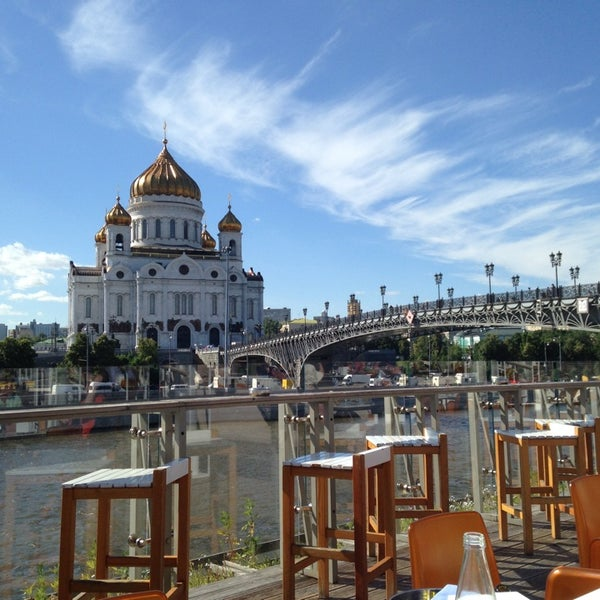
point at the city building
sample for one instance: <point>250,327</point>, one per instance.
<point>160,274</point>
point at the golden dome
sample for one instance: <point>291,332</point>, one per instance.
<point>230,222</point>
<point>164,177</point>
<point>208,241</point>
<point>118,215</point>
<point>100,237</point>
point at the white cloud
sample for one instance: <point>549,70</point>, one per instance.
<point>24,269</point>
<point>105,33</point>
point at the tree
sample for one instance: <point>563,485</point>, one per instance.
<point>104,352</point>
<point>271,327</point>
<point>146,353</point>
<point>79,352</point>
<point>17,353</point>
<point>491,347</point>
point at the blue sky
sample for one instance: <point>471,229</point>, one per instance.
<point>362,142</point>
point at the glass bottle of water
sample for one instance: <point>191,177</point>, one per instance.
<point>475,580</point>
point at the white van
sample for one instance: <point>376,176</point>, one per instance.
<point>106,387</point>
<point>66,393</point>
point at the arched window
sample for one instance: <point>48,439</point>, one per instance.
<point>119,242</point>
<point>157,231</point>
<point>152,304</point>
<point>88,308</point>
<point>172,228</point>
<point>233,246</point>
<point>232,306</point>
<point>144,229</point>
<point>214,304</point>
<point>184,304</point>
<point>190,304</point>
<point>196,230</point>
<point>250,308</point>
<point>119,305</point>
<point>177,308</point>
<point>186,227</point>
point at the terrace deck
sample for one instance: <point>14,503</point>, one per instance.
<point>525,574</point>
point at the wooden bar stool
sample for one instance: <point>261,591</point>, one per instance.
<point>424,447</point>
<point>323,469</point>
<point>107,485</point>
<point>546,445</point>
<point>591,431</point>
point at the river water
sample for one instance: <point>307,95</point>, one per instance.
<point>234,460</point>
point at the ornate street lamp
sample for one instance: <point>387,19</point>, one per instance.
<point>304,311</point>
<point>555,260</point>
<point>489,271</point>
<point>382,289</point>
<point>515,281</point>
<point>416,301</point>
<point>574,271</point>
<point>327,313</point>
<point>438,282</point>
<point>451,295</point>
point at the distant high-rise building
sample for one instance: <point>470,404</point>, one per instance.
<point>160,274</point>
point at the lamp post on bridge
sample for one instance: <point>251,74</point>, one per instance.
<point>438,282</point>
<point>451,295</point>
<point>382,289</point>
<point>489,271</point>
<point>327,313</point>
<point>304,311</point>
<point>574,271</point>
<point>555,260</point>
<point>416,302</point>
<point>515,281</point>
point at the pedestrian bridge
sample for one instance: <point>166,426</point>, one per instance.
<point>568,308</point>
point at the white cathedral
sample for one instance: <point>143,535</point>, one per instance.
<point>159,274</point>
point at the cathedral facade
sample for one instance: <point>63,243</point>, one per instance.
<point>160,274</point>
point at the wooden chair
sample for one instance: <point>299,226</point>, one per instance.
<point>569,583</point>
<point>436,548</point>
<point>106,486</point>
<point>370,472</point>
<point>585,497</point>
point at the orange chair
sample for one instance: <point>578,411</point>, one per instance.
<point>433,565</point>
<point>569,583</point>
<point>585,496</point>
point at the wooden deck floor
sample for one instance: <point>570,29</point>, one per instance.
<point>525,574</point>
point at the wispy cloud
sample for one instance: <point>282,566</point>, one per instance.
<point>580,85</point>
<point>105,33</point>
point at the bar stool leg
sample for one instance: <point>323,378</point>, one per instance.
<point>501,488</point>
<point>67,544</point>
<point>288,535</point>
<point>102,538</point>
<point>526,498</point>
<point>323,484</point>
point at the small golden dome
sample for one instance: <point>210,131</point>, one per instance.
<point>118,215</point>
<point>230,222</point>
<point>100,237</point>
<point>164,177</point>
<point>208,241</point>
